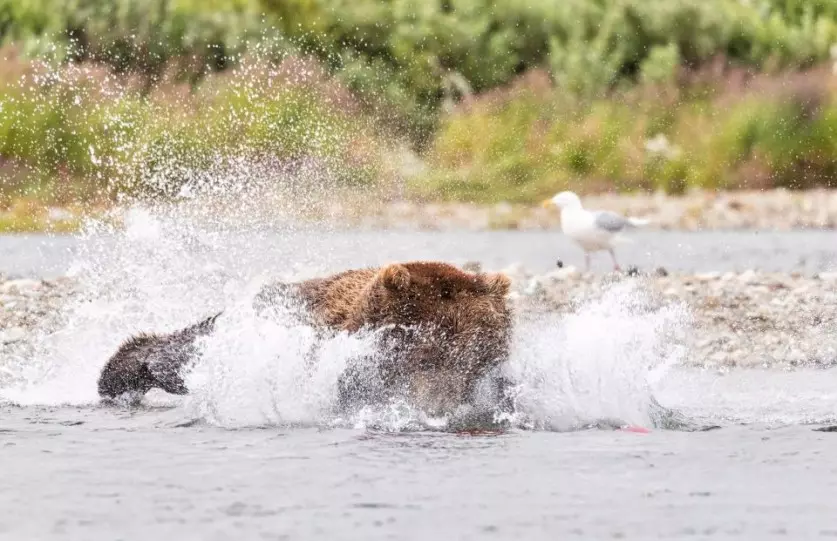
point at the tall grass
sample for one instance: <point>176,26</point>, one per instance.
<point>417,58</point>
<point>531,141</point>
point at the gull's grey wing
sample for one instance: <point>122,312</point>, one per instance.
<point>610,221</point>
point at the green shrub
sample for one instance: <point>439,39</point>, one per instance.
<point>661,64</point>
<point>409,58</point>
<point>406,52</point>
<point>410,62</point>
<point>529,145</point>
<point>186,36</point>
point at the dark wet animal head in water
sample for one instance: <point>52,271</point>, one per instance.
<point>146,361</point>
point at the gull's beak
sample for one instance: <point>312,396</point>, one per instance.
<point>546,203</point>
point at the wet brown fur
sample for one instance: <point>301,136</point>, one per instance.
<point>438,330</point>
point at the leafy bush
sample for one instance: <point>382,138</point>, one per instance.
<point>528,144</point>
<point>415,48</point>
<point>410,62</point>
<point>412,58</point>
<point>130,35</point>
<point>661,64</point>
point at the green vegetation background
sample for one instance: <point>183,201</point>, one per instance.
<point>502,99</point>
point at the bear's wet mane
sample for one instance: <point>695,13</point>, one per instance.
<point>446,276</point>
<point>140,339</point>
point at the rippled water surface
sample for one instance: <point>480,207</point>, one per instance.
<point>252,454</point>
<point>85,473</point>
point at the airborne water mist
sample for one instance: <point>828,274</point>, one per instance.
<point>166,268</point>
<point>599,363</point>
<point>240,180</point>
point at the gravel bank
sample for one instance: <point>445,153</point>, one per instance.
<point>744,319</point>
<point>27,303</point>
<point>699,210</point>
<point>778,209</point>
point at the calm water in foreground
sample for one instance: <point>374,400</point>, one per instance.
<point>74,470</point>
<point>85,473</point>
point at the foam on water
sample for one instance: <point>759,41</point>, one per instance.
<point>165,270</point>
<point>598,363</point>
<point>255,372</point>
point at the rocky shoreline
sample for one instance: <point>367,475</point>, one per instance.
<point>744,319</point>
<point>778,209</point>
<point>697,210</point>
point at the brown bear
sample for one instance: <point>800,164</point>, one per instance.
<point>438,331</point>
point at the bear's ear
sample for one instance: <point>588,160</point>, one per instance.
<point>498,284</point>
<point>395,277</point>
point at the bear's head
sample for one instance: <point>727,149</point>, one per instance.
<point>436,294</point>
<point>450,312</point>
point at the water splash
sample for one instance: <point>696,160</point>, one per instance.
<point>206,182</point>
<point>259,371</point>
<point>166,269</point>
<point>599,363</point>
<point>255,373</point>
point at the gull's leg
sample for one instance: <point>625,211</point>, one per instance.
<point>613,257</point>
<point>587,261</point>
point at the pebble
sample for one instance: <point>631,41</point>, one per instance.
<point>12,334</point>
<point>738,319</point>
<point>25,303</point>
<point>472,266</point>
<point>19,286</point>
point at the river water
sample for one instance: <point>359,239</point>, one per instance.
<point>803,251</point>
<point>251,455</point>
<point>96,474</point>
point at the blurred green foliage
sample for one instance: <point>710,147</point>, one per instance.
<point>417,65</point>
<point>80,123</point>
<point>528,144</point>
<point>417,55</point>
<point>141,36</point>
<point>416,48</point>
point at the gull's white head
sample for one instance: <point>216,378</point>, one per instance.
<point>564,200</point>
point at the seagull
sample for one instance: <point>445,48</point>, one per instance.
<point>592,230</point>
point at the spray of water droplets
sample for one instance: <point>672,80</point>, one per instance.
<point>221,189</point>
<point>599,363</point>
<point>164,271</point>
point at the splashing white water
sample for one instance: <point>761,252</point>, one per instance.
<point>165,267</point>
<point>164,271</point>
<point>601,362</point>
<point>215,242</point>
<point>598,363</point>
<point>145,278</point>
<point>256,371</point>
